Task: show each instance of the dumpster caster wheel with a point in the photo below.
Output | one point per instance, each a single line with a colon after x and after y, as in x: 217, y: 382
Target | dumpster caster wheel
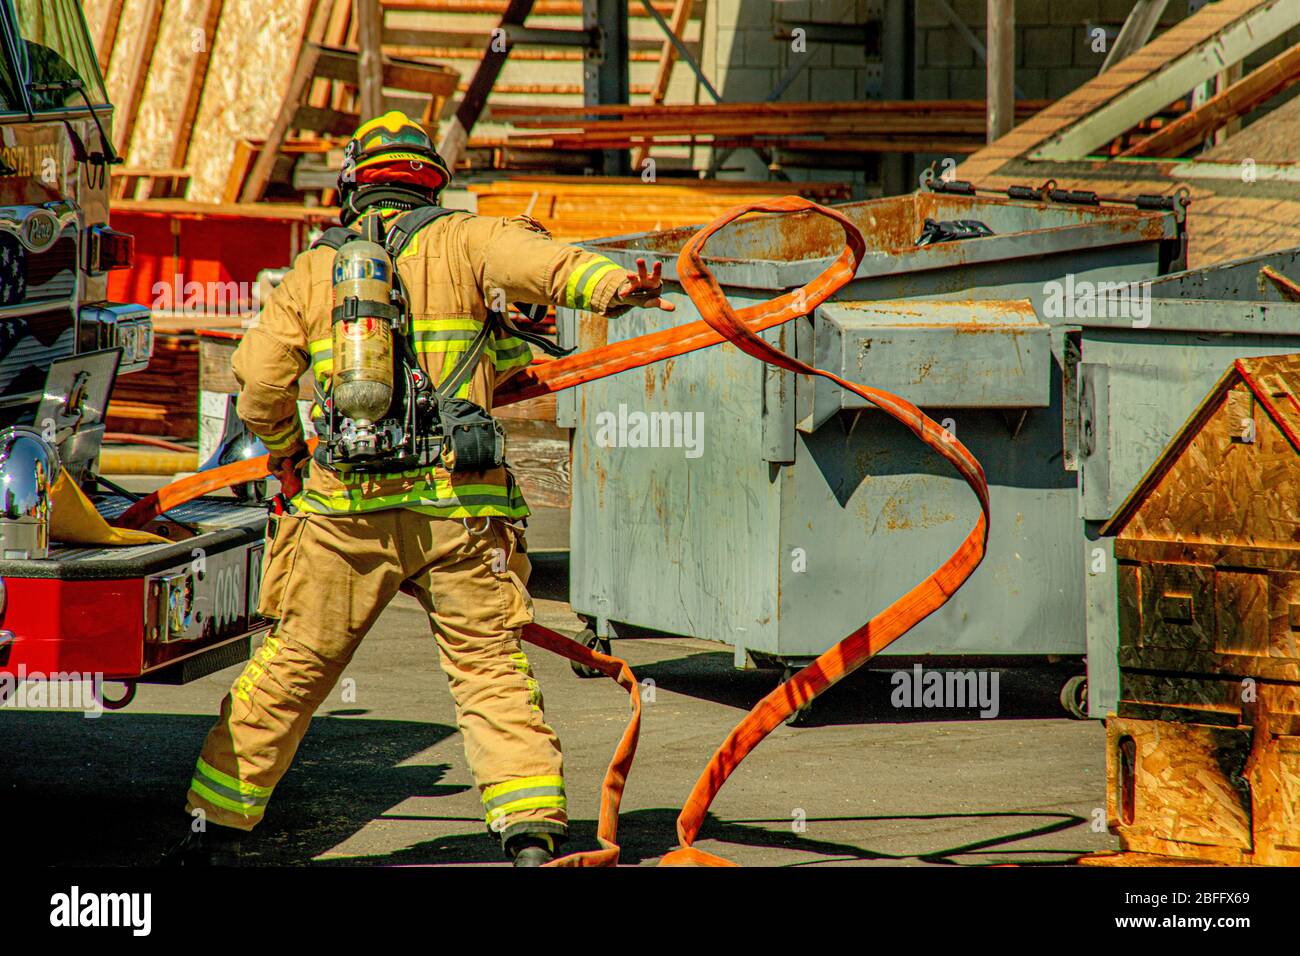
x: 1074, y: 696
x: 589, y: 640
x: 803, y: 716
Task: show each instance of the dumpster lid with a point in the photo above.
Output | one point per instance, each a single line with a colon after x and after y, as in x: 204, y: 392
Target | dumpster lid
x: 773, y: 252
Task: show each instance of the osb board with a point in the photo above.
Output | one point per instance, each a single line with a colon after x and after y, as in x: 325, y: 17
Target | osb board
x: 1216, y: 555
x: 96, y: 13
x: 158, y: 119
x: 1222, y: 489
x: 1166, y: 696
x: 1234, y: 611
x: 1275, y: 380
x: 1275, y: 790
x: 1111, y: 858
x: 252, y: 59
x: 1190, y: 788
x: 1205, y: 661
x: 1208, y: 794
x: 127, y: 51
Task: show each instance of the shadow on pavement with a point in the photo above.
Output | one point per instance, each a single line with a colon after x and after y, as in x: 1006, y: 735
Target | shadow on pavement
x: 112, y: 789
x: 867, y: 696
x: 642, y: 834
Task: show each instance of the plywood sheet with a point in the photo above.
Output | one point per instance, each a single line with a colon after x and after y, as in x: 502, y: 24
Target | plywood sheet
x: 1190, y: 786
x: 252, y: 59
x: 128, y: 49
x: 1223, y: 490
x: 180, y: 42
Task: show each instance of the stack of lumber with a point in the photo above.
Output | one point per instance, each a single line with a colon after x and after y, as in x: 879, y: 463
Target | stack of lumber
x: 162, y: 399
x: 947, y: 126
x: 574, y: 208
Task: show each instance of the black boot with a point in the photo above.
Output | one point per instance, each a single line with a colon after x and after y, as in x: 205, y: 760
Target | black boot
x: 531, y: 849
x: 215, y: 846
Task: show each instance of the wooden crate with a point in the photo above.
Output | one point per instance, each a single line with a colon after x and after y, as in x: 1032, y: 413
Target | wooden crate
x: 1203, y: 755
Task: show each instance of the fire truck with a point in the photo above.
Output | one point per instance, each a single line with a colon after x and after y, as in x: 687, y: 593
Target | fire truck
x: 165, y: 612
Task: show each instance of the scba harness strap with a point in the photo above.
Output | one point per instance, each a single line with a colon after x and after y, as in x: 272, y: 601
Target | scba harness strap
x: 467, y: 437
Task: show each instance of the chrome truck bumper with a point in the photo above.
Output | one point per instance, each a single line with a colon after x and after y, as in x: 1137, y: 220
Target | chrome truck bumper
x: 29, y: 466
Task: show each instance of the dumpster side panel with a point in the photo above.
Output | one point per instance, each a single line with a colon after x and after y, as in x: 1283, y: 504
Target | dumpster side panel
x: 682, y: 538
x: 876, y: 511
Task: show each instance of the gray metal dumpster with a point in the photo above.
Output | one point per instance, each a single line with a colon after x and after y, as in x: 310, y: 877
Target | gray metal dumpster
x: 775, y: 514
x: 1137, y: 386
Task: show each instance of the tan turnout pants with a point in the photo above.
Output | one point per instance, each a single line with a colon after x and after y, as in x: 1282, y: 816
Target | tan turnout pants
x: 326, y: 579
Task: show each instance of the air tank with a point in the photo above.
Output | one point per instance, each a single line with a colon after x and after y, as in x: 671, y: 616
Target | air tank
x: 363, y: 344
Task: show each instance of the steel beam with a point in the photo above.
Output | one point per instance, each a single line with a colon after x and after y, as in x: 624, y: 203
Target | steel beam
x: 605, y: 68
x: 456, y: 138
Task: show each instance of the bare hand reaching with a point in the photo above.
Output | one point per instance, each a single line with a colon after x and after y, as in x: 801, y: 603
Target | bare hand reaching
x: 642, y: 288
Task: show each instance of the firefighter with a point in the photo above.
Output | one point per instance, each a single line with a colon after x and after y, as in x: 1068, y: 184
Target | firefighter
x: 349, y: 541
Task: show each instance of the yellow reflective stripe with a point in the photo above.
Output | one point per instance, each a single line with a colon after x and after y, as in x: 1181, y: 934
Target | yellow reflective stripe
x: 531, y: 803
x: 320, y: 345
x: 510, y: 352
x: 584, y: 299
x: 419, y: 501
x: 449, y: 365
x: 446, y: 323
x: 284, y: 438
x: 577, y: 291
x: 284, y: 432
x: 520, y: 660
x: 571, y: 287
x: 243, y: 786
x: 284, y: 443
x: 522, y: 783
x: 218, y: 800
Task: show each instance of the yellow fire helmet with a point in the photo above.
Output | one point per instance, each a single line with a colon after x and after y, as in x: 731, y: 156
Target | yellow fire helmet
x: 390, y: 160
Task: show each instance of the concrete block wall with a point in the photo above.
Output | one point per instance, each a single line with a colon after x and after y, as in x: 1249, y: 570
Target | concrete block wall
x: 745, y: 60
x: 1054, y: 45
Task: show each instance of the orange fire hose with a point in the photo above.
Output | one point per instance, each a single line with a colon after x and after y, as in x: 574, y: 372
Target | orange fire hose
x: 720, y: 323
